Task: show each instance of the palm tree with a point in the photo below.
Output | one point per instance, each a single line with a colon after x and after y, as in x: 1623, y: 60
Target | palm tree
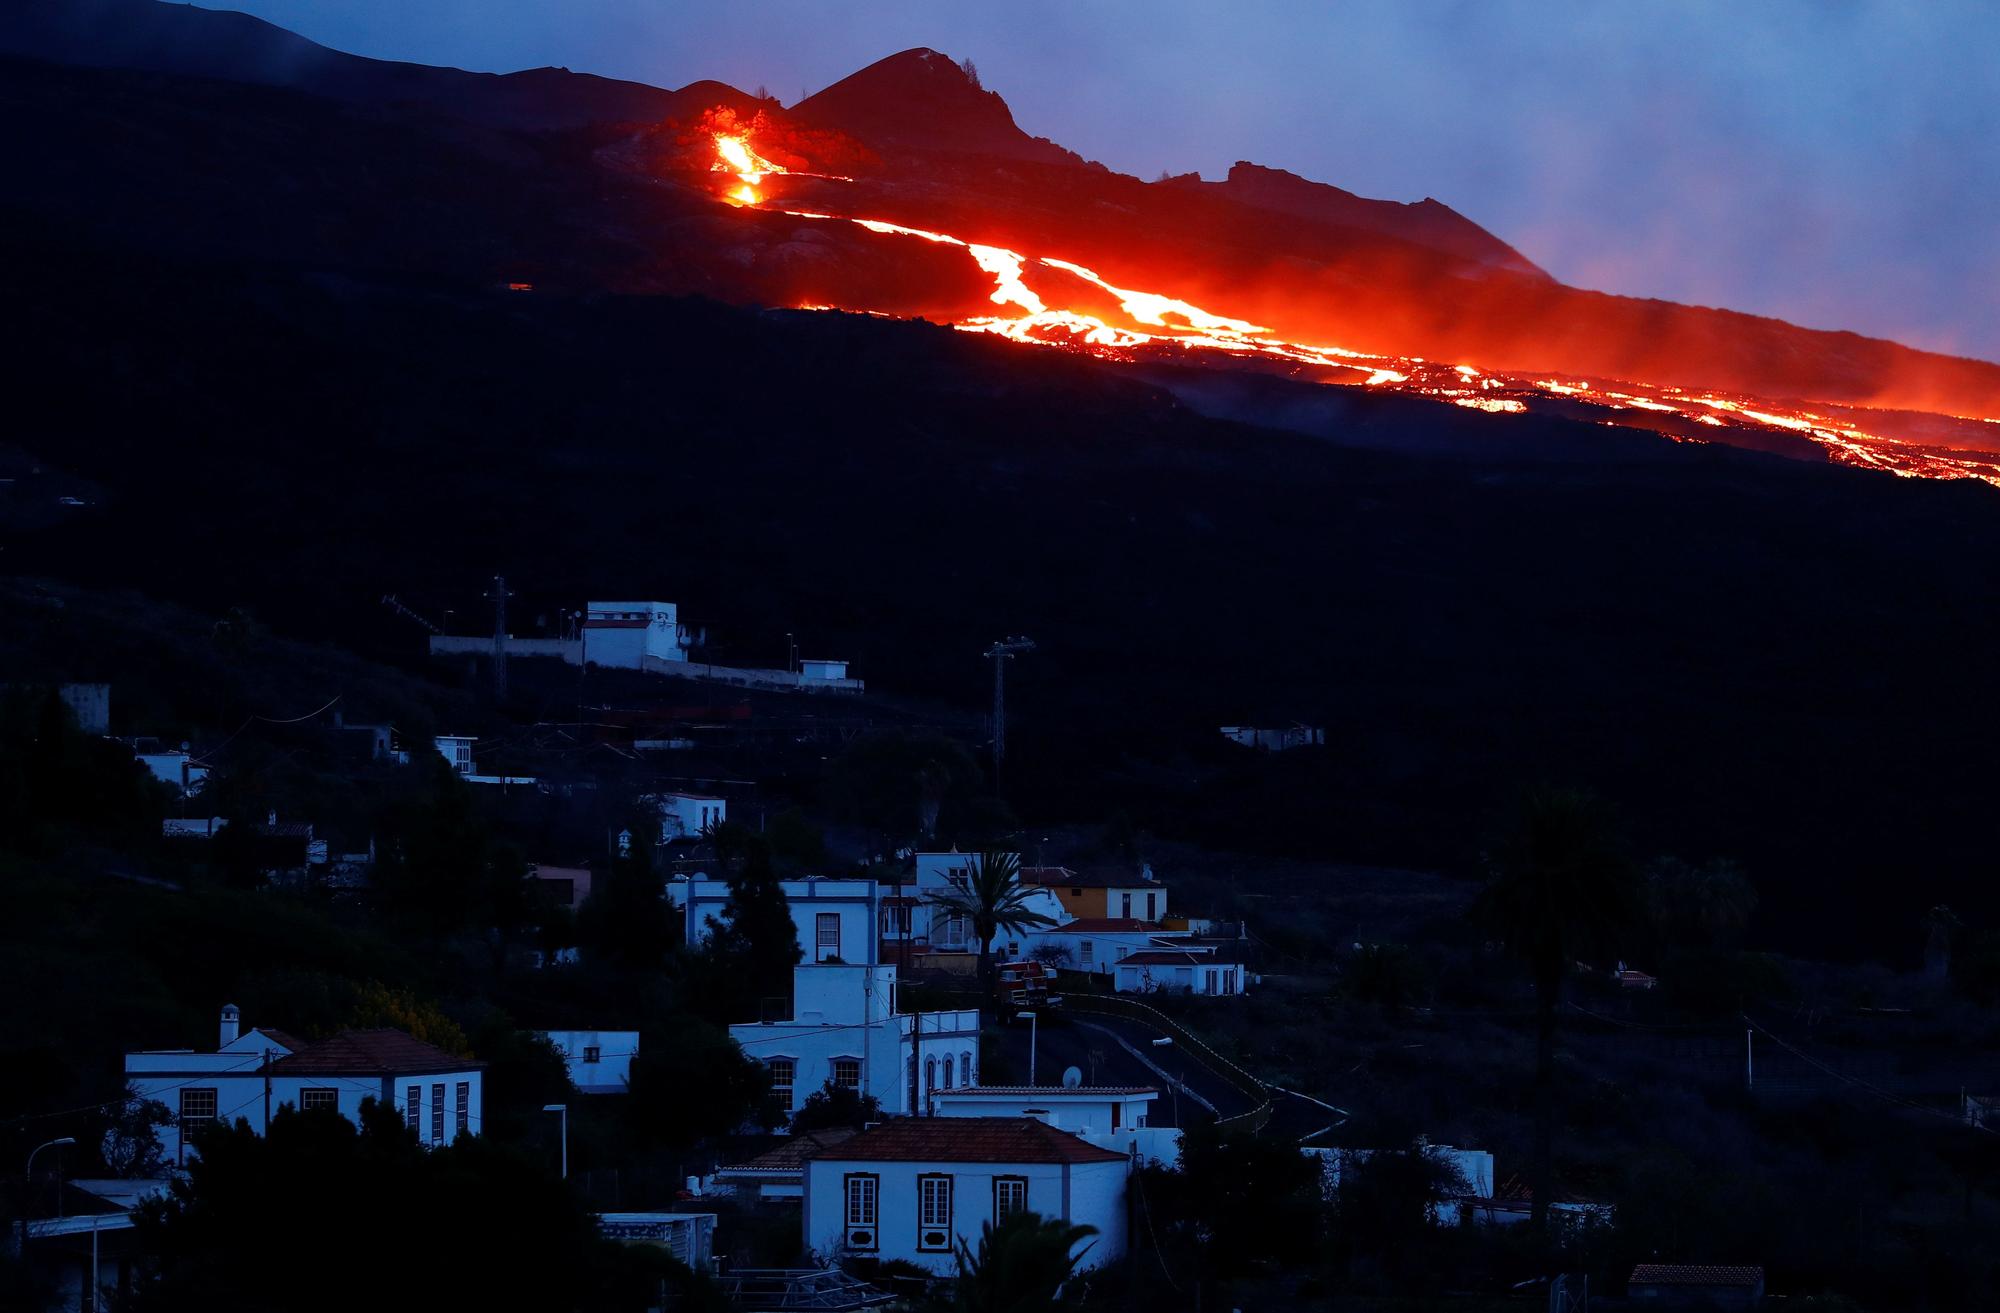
x: 1022, y: 1264
x: 1560, y: 887
x: 993, y: 898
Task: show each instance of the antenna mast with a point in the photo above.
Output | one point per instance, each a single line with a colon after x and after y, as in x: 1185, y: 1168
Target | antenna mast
x: 1001, y: 653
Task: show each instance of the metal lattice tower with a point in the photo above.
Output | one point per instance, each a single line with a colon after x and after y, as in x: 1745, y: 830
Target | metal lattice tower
x: 1001, y: 653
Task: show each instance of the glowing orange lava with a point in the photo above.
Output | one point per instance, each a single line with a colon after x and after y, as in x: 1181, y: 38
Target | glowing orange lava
x: 1158, y: 322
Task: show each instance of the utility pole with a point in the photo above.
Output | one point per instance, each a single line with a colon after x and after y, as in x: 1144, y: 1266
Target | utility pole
x: 1001, y: 653
x: 499, y: 596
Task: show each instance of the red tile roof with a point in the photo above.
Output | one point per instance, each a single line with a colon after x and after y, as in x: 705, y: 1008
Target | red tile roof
x: 791, y: 1156
x: 280, y: 1038
x: 968, y: 1140
x: 1695, y: 1274
x: 372, y: 1053
x: 1167, y: 957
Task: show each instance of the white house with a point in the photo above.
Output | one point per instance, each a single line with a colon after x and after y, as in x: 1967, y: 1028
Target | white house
x: 1111, y: 1117
x: 687, y: 815
x: 254, y: 1073
x: 632, y: 635
x: 1117, y: 895
x: 598, y: 1061
x: 1094, y: 944
x: 914, y: 1188
x: 457, y: 750
x: 845, y: 1029
x: 177, y: 769
x: 836, y: 918
x: 780, y: 1172
x: 941, y: 930
x: 819, y: 670
x: 1179, y: 971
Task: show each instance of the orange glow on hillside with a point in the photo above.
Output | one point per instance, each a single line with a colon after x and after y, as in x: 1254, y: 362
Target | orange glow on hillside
x: 1148, y: 324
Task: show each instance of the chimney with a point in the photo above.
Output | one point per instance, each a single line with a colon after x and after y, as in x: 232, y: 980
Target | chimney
x: 232, y: 1025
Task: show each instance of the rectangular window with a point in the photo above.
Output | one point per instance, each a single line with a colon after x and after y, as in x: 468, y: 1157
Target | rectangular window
x: 847, y: 1073
x: 783, y: 1071
x: 862, y: 1191
x: 1127, y: 905
x: 1010, y: 1195
x: 1152, y: 907
x: 464, y: 1106
x: 437, y: 1114
x: 591, y: 1053
x: 311, y: 1099
x: 197, y: 1109
x: 826, y: 933
x: 934, y: 1213
x: 1089, y: 954
x: 413, y: 1106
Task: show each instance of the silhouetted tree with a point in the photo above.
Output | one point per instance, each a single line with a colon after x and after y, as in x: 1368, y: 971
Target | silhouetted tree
x: 626, y: 922
x: 836, y: 1105
x: 1022, y: 1264
x: 1560, y: 888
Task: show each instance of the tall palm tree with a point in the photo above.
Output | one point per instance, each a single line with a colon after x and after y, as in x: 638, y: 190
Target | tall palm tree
x: 1560, y: 887
x: 1022, y: 1264
x: 993, y: 898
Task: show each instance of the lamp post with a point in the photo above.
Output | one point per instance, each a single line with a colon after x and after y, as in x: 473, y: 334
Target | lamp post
x: 28, y: 1177
x: 562, y: 1109
x: 1034, y: 1029
x: 1173, y: 1083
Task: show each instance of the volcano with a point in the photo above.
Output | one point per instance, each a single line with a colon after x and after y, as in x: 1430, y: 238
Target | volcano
x: 908, y: 189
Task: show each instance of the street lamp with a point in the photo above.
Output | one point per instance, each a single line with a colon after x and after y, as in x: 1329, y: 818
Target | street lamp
x: 29, y: 1178
x: 563, y: 1110
x: 1173, y: 1083
x: 1034, y: 1028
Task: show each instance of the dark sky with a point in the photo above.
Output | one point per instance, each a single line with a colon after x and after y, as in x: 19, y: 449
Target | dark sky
x: 1833, y: 163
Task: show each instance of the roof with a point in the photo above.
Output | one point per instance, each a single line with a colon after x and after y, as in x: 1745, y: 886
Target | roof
x: 1062, y: 875
x: 280, y: 1038
x: 969, y: 1140
x: 371, y: 1053
x: 1166, y: 957
x: 1695, y: 1274
x: 1043, y: 1091
x: 790, y: 1157
x: 1107, y: 925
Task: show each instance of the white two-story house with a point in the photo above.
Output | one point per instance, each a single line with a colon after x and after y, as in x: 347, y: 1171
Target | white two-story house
x: 254, y: 1073
x: 845, y: 1029
x: 836, y: 918
x: 915, y: 1188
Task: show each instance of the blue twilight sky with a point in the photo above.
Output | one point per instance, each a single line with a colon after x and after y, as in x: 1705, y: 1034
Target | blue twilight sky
x: 1833, y: 163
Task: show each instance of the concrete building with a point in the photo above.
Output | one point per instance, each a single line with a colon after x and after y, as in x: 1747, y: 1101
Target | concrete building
x: 845, y: 1029
x: 176, y: 768
x: 633, y: 635
x: 689, y: 1237
x: 598, y: 1061
x: 916, y: 1188
x: 253, y: 1073
x: 836, y: 918
x: 457, y: 750
x: 1107, y: 895
x: 687, y: 815
x: 822, y: 671
x: 1691, y: 1285
x: 779, y: 1174
x: 1179, y: 971
x: 1111, y: 1117
x: 1095, y: 944
x: 1281, y: 739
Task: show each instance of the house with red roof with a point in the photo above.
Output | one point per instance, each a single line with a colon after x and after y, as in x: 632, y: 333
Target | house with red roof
x: 253, y: 1074
x: 915, y: 1188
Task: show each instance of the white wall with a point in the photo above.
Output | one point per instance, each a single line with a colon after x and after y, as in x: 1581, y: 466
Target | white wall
x: 1220, y: 978
x: 610, y: 639
x: 856, y: 904
x: 1088, y: 1193
x: 1073, y: 1110
x: 612, y: 1069
x: 1107, y: 946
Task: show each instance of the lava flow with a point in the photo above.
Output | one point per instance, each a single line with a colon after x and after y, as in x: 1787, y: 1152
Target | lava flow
x: 1158, y: 325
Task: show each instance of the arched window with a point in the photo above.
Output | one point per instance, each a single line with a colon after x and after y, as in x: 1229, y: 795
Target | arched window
x: 947, y: 1071
x: 930, y: 1072
x: 965, y: 1069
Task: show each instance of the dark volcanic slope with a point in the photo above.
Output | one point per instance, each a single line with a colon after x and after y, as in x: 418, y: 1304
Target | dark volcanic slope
x: 184, y: 39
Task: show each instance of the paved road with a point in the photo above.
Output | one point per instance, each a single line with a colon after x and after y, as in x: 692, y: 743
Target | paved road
x: 1116, y: 1051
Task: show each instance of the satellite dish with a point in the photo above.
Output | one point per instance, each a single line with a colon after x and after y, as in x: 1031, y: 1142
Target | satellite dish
x: 1071, y: 1078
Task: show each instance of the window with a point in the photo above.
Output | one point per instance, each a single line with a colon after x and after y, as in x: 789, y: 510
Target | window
x: 1152, y: 907
x: 437, y: 1114
x: 1211, y: 980
x: 464, y: 1106
x: 826, y: 932
x: 1076, y: 893
x: 847, y: 1073
x: 197, y: 1109
x: 947, y: 1071
x: 934, y: 1212
x: 783, y: 1072
x: 592, y: 1052
x: 1127, y: 905
x: 1089, y: 955
x: 965, y: 1069
x: 311, y: 1099
x: 862, y: 1190
x: 930, y: 1072
x: 413, y: 1105
x: 1010, y: 1196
